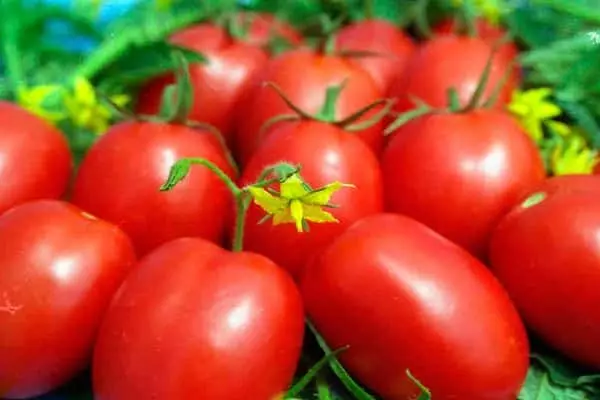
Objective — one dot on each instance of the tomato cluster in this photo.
(450, 243)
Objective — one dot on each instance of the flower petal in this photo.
(559, 127)
(120, 99)
(283, 217)
(293, 188)
(267, 201)
(317, 214)
(322, 196)
(84, 92)
(297, 213)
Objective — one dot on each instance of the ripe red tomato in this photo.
(460, 173)
(326, 154)
(35, 158)
(119, 179)
(217, 85)
(379, 36)
(194, 321)
(547, 255)
(492, 34)
(446, 62)
(60, 269)
(403, 297)
(317, 72)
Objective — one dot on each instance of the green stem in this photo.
(180, 170)
(369, 9)
(10, 51)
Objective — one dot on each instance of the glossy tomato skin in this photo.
(317, 72)
(216, 324)
(460, 173)
(36, 160)
(490, 33)
(547, 256)
(326, 154)
(446, 62)
(380, 36)
(394, 291)
(120, 177)
(59, 269)
(217, 85)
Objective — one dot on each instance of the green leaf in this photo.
(146, 62)
(353, 387)
(551, 378)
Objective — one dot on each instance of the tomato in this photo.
(194, 321)
(326, 154)
(547, 255)
(59, 268)
(446, 62)
(460, 173)
(403, 297)
(35, 158)
(379, 36)
(217, 85)
(317, 72)
(492, 34)
(119, 178)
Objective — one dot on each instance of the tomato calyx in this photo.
(327, 112)
(176, 103)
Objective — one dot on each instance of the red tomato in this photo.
(460, 173)
(403, 297)
(304, 77)
(217, 85)
(446, 62)
(491, 34)
(263, 27)
(547, 255)
(35, 160)
(326, 154)
(119, 179)
(59, 269)
(379, 36)
(596, 170)
(194, 321)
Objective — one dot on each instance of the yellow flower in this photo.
(32, 99)
(84, 109)
(573, 156)
(296, 203)
(533, 109)
(491, 10)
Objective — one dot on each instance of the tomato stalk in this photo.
(327, 112)
(241, 195)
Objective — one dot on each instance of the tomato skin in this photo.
(460, 173)
(379, 36)
(489, 33)
(217, 85)
(548, 257)
(326, 154)
(119, 179)
(59, 271)
(446, 62)
(395, 292)
(318, 72)
(36, 160)
(216, 324)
